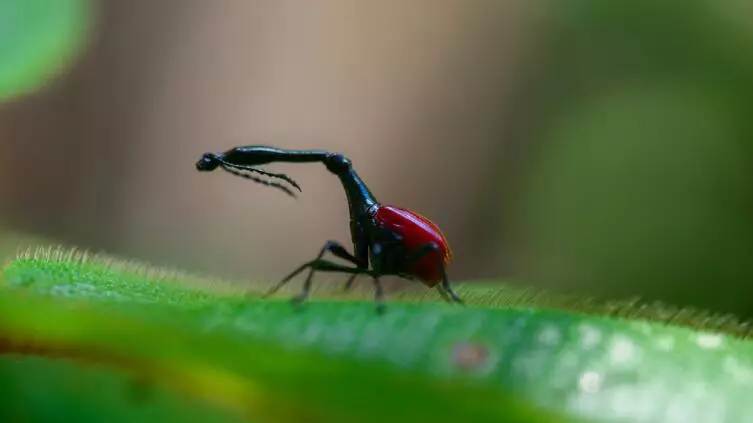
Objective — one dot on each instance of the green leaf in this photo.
(38, 40)
(240, 377)
(578, 365)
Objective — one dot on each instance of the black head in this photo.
(208, 162)
(337, 163)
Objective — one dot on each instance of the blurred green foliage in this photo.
(641, 183)
(37, 389)
(38, 40)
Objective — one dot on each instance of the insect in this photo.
(387, 240)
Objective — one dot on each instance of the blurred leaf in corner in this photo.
(39, 39)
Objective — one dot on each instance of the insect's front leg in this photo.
(324, 266)
(330, 246)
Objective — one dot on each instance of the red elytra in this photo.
(417, 231)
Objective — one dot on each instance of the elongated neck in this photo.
(254, 155)
(360, 198)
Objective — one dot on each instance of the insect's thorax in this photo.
(391, 234)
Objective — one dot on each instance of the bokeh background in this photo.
(583, 146)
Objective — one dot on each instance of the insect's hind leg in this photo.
(444, 293)
(444, 288)
(447, 288)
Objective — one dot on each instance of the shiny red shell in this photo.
(417, 231)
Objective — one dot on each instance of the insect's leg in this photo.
(325, 266)
(338, 251)
(446, 289)
(379, 295)
(287, 279)
(331, 246)
(444, 293)
(349, 282)
(378, 287)
(361, 248)
(328, 266)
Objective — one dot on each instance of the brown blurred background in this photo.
(581, 146)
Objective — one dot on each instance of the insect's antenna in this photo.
(225, 165)
(232, 170)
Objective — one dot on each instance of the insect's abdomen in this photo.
(418, 231)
